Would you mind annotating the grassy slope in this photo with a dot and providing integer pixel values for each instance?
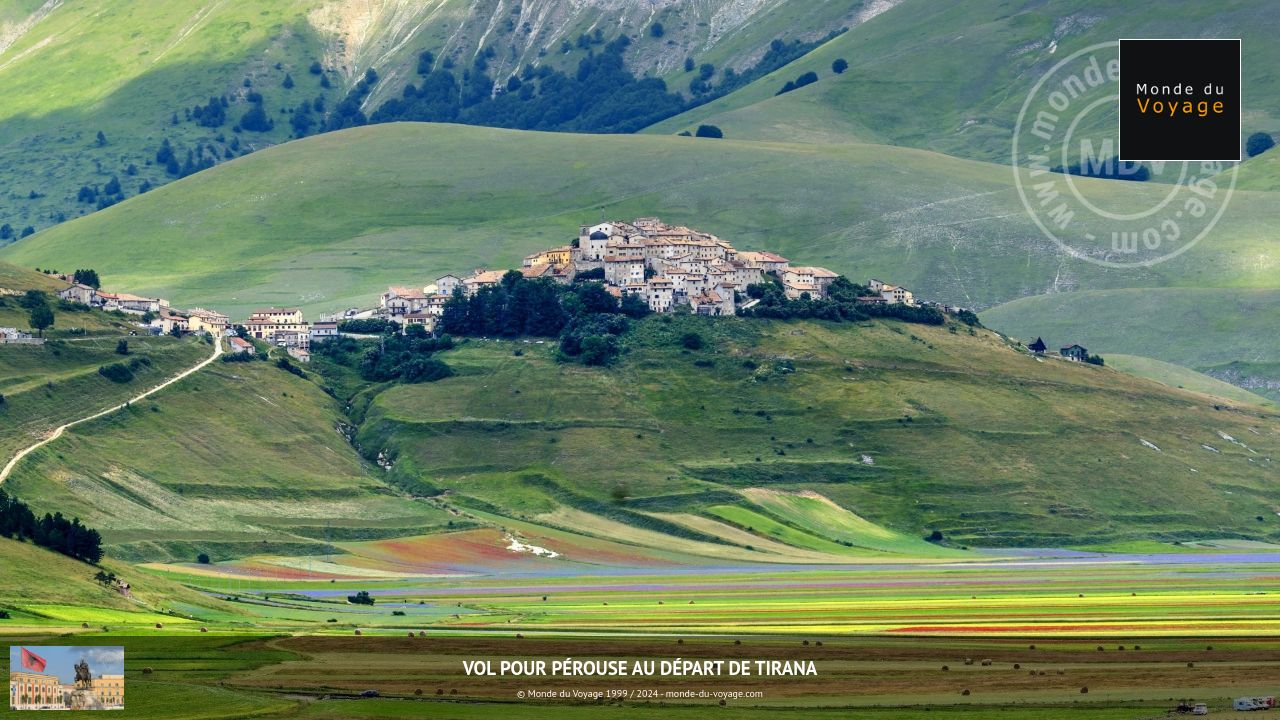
(1178, 376)
(1232, 324)
(125, 68)
(32, 579)
(241, 457)
(45, 386)
(952, 77)
(997, 447)
(328, 221)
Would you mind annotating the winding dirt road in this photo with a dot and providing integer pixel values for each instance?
(57, 432)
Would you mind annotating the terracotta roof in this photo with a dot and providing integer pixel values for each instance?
(407, 293)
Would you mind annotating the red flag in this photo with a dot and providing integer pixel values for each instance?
(32, 661)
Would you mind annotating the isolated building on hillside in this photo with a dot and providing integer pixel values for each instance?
(1075, 352)
(80, 293)
(1038, 347)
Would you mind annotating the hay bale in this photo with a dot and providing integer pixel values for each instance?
(986, 663)
(422, 633)
(1137, 647)
(411, 633)
(1062, 672)
(1120, 647)
(965, 691)
(1017, 666)
(805, 643)
(147, 670)
(737, 642)
(439, 691)
(1031, 647)
(1084, 690)
(1209, 647)
(945, 668)
(1101, 649)
(357, 632)
(1191, 664)
(968, 661)
(418, 691)
(204, 629)
(818, 643)
(453, 691)
(519, 636)
(159, 626)
(84, 625)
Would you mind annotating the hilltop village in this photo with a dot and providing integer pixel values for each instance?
(671, 268)
(668, 266)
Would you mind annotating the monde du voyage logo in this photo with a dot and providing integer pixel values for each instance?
(1164, 115)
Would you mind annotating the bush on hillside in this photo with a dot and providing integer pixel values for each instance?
(709, 131)
(284, 364)
(1259, 143)
(116, 372)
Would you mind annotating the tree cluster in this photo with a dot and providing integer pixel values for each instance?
(54, 532)
(586, 318)
(409, 358)
(840, 305)
(1109, 169)
(808, 78)
(87, 277)
(602, 96)
(40, 312)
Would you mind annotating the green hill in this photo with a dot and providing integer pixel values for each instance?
(952, 77)
(1197, 328)
(796, 441)
(910, 427)
(329, 221)
(46, 385)
(1178, 376)
(39, 587)
(238, 458)
(135, 71)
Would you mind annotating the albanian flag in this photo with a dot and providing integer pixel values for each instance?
(32, 661)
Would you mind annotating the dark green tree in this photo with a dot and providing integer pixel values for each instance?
(839, 66)
(41, 318)
(1259, 143)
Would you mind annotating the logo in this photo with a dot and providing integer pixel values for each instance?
(1095, 206)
